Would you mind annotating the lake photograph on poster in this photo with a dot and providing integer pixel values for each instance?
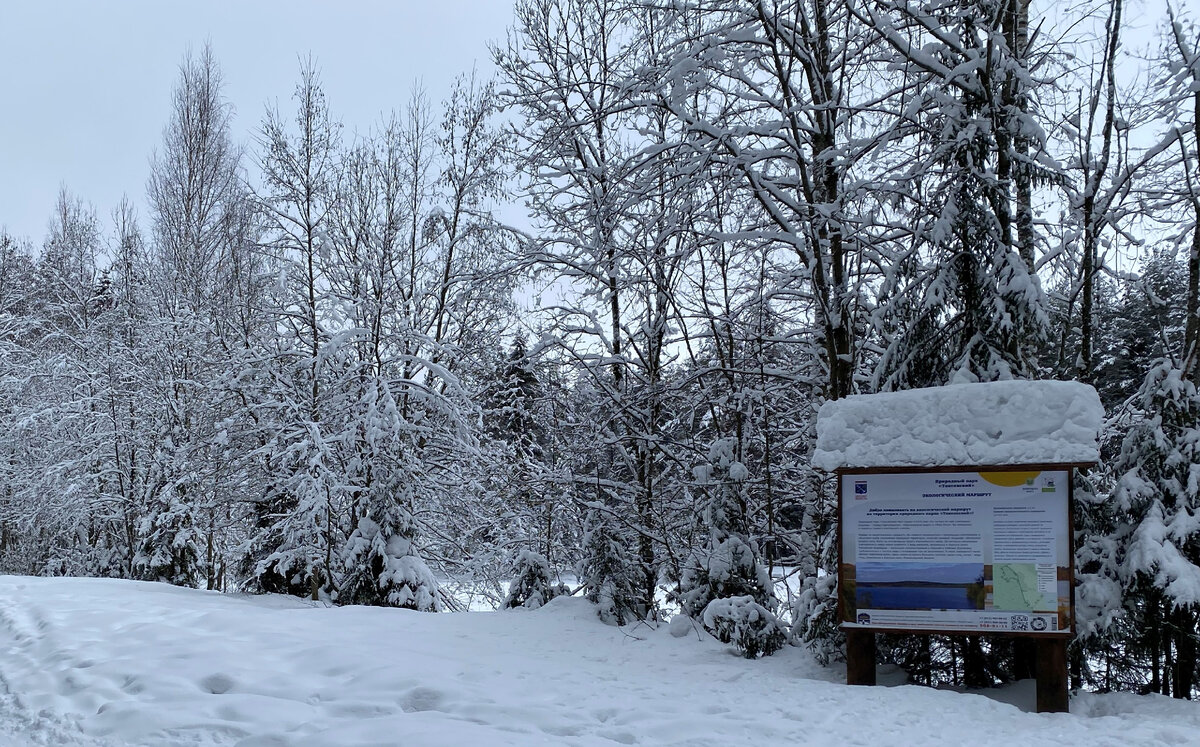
(920, 586)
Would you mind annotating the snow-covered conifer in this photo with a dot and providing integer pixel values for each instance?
(604, 570)
(532, 584)
(170, 548)
(382, 565)
(722, 582)
(752, 628)
(1159, 534)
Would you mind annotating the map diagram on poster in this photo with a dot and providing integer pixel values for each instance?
(956, 551)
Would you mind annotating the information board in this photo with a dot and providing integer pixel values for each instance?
(985, 552)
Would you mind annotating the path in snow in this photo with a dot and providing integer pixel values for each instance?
(90, 662)
(27, 677)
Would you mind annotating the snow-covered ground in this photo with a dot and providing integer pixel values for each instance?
(87, 662)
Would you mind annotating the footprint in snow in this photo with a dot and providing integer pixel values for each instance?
(421, 699)
(217, 684)
(621, 737)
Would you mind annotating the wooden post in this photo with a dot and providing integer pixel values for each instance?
(860, 657)
(1051, 675)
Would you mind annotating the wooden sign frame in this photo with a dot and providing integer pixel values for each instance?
(1051, 647)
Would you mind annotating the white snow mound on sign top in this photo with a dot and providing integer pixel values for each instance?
(994, 423)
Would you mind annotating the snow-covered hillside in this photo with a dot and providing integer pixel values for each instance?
(102, 662)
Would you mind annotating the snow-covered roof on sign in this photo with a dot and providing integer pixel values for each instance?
(994, 423)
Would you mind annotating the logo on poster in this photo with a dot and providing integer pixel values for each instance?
(860, 490)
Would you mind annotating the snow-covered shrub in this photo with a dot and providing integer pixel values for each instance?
(729, 569)
(531, 585)
(79, 558)
(727, 566)
(389, 571)
(169, 551)
(607, 573)
(1098, 594)
(752, 628)
(814, 611)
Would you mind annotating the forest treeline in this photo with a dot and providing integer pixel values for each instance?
(323, 365)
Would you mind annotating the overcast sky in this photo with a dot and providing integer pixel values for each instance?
(85, 86)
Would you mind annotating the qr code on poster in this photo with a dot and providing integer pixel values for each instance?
(1019, 622)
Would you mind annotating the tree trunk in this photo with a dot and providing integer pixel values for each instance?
(1183, 675)
(975, 672)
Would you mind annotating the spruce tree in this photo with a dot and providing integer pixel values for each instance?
(383, 565)
(605, 569)
(532, 585)
(722, 583)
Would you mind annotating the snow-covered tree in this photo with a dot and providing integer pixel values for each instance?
(722, 583)
(200, 246)
(604, 568)
(383, 566)
(299, 181)
(1159, 488)
(964, 287)
(532, 584)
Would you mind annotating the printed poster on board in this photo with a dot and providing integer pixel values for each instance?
(984, 552)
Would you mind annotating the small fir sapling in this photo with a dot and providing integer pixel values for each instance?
(381, 557)
(722, 583)
(531, 585)
(169, 550)
(752, 628)
(607, 572)
(814, 611)
(386, 569)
